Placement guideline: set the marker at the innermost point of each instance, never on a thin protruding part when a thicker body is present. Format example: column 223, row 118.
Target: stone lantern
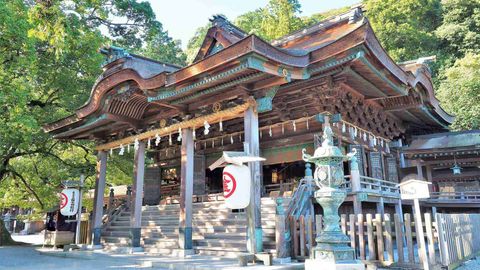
column 332, row 250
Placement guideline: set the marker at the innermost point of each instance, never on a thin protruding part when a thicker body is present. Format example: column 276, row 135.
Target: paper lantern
column 69, row 199
column 236, row 186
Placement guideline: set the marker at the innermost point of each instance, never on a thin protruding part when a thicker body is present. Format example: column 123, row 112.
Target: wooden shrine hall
column 242, row 89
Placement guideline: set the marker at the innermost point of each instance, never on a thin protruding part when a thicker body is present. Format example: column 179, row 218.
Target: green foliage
column 195, row 42
column 49, row 61
column 460, row 92
column 459, row 31
column 405, row 28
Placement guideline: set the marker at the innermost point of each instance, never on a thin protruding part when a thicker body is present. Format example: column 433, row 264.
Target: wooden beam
column 134, row 123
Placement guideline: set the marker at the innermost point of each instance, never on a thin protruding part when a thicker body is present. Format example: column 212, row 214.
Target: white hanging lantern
column 236, row 186
column 69, row 199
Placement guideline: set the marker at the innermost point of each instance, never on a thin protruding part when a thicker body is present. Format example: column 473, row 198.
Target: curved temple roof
column 229, row 57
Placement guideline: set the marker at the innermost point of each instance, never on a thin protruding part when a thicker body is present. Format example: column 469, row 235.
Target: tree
column 460, row 92
column 459, row 32
column 195, row 42
column 49, row 61
column 405, row 28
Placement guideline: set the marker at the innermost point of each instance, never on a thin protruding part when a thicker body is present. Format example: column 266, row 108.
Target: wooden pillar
column 98, row 197
column 381, row 206
column 254, row 230
column 419, row 171
column 356, row 186
column 137, row 195
column 186, row 190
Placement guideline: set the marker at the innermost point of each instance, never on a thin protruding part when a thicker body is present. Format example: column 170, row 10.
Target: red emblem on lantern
column 229, row 184
column 63, row 200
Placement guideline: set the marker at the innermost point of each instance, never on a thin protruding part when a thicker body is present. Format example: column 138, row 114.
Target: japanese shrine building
column 241, row 88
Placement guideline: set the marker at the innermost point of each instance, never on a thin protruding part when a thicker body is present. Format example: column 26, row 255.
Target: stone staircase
column 217, row 230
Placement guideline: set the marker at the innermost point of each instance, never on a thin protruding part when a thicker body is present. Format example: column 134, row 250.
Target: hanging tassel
column 111, row 151
column 270, row 131
column 231, row 139
column 194, row 135
column 207, row 127
column 128, row 148
column 220, row 125
column 136, row 144
column 122, row 150
column 308, row 126
column 294, row 126
column 157, row 139
column 179, row 138
column 149, row 144
column 170, row 139
column 283, row 129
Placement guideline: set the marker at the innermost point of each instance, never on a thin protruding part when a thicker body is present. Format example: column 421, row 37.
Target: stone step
column 161, row 243
column 116, row 240
column 219, row 251
column 205, row 229
column 151, row 249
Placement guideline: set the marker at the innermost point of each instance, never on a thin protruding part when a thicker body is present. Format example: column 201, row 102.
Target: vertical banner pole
column 79, row 214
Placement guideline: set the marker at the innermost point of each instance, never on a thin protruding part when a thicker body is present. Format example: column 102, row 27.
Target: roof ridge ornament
column 113, row 53
column 356, row 15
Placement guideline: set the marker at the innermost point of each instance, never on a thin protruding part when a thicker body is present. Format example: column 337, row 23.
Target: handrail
column 372, row 185
column 455, row 196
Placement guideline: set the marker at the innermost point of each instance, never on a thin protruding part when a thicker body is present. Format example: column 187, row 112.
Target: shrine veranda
column 272, row 96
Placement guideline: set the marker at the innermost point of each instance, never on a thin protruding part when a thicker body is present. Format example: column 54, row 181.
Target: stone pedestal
column 332, row 250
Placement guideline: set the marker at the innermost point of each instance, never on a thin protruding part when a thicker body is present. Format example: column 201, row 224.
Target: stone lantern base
column 332, row 250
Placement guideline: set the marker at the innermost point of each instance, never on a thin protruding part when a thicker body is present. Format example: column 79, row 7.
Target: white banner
column 69, row 199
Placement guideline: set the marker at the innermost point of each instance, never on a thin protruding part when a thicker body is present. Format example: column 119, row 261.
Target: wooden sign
column 414, row 189
column 376, row 168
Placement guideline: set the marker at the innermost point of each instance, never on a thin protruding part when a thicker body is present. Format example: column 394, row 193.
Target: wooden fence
column 459, row 238
column 376, row 238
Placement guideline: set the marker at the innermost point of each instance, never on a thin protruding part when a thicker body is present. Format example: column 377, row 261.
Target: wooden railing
column 377, row 239
column 373, row 185
column 466, row 196
column 458, row 238
column 282, row 187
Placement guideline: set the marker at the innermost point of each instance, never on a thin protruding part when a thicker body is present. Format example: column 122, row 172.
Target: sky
column 182, row 17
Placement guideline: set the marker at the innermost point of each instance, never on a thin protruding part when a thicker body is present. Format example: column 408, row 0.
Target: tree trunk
column 5, row 237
